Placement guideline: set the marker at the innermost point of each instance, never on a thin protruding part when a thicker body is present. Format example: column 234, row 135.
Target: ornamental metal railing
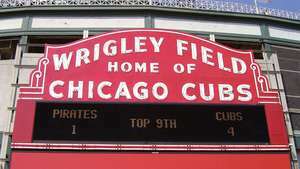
column 209, row 5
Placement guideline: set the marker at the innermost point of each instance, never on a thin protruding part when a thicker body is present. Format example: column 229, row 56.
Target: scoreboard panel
column 147, row 123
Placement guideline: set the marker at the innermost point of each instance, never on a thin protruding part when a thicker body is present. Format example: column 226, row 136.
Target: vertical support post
column 2, row 155
column 85, row 33
column 212, row 37
column 149, row 21
column 21, row 47
column 256, row 7
column 286, row 115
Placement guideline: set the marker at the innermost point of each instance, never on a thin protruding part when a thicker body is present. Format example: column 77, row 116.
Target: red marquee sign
column 148, row 66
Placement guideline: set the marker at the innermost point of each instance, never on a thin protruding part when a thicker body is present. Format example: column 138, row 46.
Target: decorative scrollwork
column 262, row 85
column 37, row 78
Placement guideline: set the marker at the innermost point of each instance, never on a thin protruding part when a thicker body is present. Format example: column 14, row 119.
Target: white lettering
column 190, row 68
column 206, row 54
column 194, row 51
column 126, row 67
column 133, row 67
column 143, row 94
column 211, row 94
column 82, row 54
column 52, row 89
column 100, row 90
column 90, row 91
column 122, row 91
column 96, row 51
column 138, row 43
column 112, row 66
column 244, row 90
column 180, row 47
column 156, row 44
column 235, row 63
column 221, row 62
column 110, row 48
column 164, row 89
column 73, row 89
column 124, row 49
column 225, row 92
column 140, row 67
column 154, row 67
column 178, row 68
column 184, row 92
column 62, row 60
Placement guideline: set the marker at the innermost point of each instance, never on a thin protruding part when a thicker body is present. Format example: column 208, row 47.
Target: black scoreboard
column 150, row 123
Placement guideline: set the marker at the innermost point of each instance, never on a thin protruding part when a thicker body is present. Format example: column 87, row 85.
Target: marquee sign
column 147, row 86
column 148, row 66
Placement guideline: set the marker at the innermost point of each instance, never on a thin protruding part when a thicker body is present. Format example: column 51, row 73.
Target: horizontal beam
column 150, row 147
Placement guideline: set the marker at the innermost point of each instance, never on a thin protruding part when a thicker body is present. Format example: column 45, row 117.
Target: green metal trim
column 188, row 11
column 241, row 39
column 24, row 41
column 9, row 150
column 266, row 35
column 149, row 21
column 297, row 141
column 264, row 31
column 282, row 42
column 238, row 37
column 1, row 136
column 267, row 47
column 26, row 23
column 11, row 32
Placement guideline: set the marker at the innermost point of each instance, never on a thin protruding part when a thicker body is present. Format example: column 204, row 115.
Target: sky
column 290, row 5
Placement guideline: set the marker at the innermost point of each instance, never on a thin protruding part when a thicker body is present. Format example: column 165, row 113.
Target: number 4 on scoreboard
column 231, row 131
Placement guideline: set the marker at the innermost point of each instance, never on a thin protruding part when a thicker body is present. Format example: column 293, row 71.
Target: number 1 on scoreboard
column 73, row 129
